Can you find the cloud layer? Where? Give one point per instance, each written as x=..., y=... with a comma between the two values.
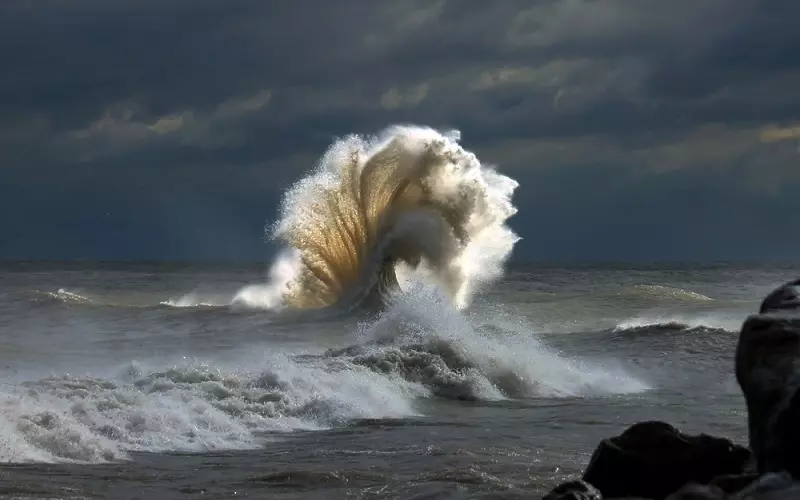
x=168, y=129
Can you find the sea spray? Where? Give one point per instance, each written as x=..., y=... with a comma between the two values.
x=475, y=355
x=410, y=196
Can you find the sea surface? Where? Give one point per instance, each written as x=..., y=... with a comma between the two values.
x=140, y=380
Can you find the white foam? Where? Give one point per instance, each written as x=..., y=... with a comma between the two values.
x=505, y=358
x=192, y=299
x=188, y=407
x=285, y=269
x=672, y=292
x=67, y=296
x=718, y=321
x=422, y=346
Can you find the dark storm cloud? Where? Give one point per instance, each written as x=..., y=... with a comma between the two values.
x=170, y=128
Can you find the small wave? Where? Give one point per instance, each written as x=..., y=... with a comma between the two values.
x=191, y=300
x=466, y=475
x=695, y=325
x=67, y=296
x=306, y=478
x=62, y=296
x=670, y=292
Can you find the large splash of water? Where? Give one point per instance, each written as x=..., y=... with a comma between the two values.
x=409, y=198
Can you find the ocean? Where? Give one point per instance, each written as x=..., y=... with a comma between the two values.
x=388, y=350
x=139, y=380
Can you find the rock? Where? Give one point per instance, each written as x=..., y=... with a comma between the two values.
x=574, y=490
x=731, y=483
x=653, y=459
x=699, y=492
x=770, y=486
x=768, y=372
x=789, y=493
x=786, y=297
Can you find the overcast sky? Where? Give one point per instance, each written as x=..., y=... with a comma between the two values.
x=638, y=129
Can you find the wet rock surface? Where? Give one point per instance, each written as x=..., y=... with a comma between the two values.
x=574, y=490
x=654, y=460
x=768, y=372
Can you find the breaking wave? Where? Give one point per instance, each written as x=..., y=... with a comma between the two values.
x=420, y=347
x=410, y=199
x=61, y=296
x=707, y=324
x=668, y=292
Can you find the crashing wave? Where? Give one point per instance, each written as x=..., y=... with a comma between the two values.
x=410, y=197
x=420, y=347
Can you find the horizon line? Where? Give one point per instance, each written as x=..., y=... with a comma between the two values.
x=511, y=262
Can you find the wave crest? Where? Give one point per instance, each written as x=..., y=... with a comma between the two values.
x=668, y=292
x=411, y=196
x=62, y=296
x=679, y=325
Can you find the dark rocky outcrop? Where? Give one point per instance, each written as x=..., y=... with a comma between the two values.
x=768, y=372
x=653, y=459
x=695, y=491
x=784, y=298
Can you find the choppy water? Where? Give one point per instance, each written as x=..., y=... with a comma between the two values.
x=128, y=381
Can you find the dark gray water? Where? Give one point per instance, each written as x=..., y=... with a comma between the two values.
x=138, y=381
